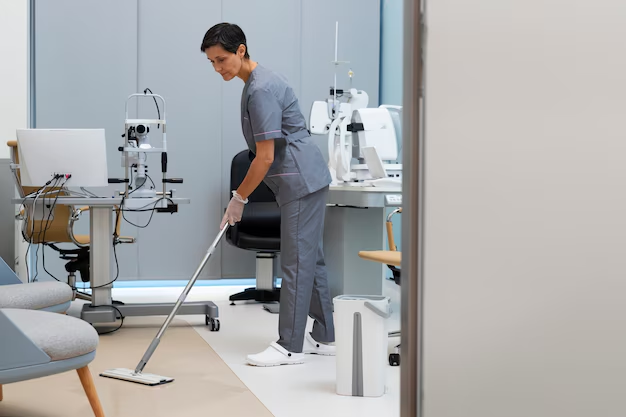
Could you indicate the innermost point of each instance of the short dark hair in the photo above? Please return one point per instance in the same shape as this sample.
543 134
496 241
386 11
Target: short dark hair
228 35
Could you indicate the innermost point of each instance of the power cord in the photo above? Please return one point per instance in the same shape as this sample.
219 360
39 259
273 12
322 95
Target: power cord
31 217
43 249
121 317
117 266
43 207
156 104
142 210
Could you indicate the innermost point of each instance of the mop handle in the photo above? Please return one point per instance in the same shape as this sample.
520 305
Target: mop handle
181 300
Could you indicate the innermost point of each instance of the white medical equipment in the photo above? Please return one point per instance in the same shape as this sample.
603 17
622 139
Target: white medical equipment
363 142
77 155
135 152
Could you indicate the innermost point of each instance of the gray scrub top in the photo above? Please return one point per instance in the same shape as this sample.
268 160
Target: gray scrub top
270 110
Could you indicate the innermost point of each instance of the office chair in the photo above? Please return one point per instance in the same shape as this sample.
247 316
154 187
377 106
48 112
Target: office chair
393 259
59 228
259 231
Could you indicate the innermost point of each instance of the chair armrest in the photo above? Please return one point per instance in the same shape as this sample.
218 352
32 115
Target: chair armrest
389 224
119 239
78 211
386 257
17 349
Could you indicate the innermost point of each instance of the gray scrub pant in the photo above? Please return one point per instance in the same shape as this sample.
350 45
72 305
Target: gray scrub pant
304 290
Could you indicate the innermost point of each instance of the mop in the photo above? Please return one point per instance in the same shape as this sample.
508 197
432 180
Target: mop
151 379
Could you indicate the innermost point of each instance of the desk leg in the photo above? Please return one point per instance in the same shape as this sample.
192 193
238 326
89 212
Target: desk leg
101 233
346 232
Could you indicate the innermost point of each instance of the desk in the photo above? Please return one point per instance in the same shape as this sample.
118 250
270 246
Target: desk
355 221
100 309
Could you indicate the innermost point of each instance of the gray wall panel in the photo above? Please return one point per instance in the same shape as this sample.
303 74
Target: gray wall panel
86 66
172 65
155 44
274 49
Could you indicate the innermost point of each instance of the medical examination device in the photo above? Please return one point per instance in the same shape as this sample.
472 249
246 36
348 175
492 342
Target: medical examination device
362 142
135 151
137 374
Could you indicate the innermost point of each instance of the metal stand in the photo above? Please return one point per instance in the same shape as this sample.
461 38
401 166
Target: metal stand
265 290
102 309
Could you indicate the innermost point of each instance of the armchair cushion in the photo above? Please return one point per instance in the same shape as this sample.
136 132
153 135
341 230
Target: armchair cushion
256 243
59 336
35 295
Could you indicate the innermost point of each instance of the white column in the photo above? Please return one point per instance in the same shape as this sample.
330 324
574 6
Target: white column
14 88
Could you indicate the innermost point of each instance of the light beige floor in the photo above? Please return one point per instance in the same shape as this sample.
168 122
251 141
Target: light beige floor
204 385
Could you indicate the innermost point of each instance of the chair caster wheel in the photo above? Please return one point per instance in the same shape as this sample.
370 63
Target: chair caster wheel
232 303
214 324
394 359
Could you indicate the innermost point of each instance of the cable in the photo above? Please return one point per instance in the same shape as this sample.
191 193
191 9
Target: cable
153 186
155 102
121 316
31 217
43 207
46 227
130 185
86 191
43 249
142 184
117 266
25 227
140 210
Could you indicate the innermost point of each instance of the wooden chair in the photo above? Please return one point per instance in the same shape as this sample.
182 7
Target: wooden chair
59 228
393 259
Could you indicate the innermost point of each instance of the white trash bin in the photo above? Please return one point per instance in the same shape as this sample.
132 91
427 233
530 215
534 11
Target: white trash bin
361 344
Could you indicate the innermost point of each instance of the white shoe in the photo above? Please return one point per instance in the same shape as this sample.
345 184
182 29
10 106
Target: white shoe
275 355
316 348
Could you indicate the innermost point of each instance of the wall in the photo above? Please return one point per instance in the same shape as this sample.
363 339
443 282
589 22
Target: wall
391 52
13 108
525 225
13 72
156 44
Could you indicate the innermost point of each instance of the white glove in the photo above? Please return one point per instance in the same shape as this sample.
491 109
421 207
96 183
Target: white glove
234 211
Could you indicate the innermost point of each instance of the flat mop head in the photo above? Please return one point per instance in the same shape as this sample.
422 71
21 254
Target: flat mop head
139 378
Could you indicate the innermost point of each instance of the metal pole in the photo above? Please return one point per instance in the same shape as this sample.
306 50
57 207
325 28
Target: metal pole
412 219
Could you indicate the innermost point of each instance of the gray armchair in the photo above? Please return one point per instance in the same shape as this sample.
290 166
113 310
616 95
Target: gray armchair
37 344
47 296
